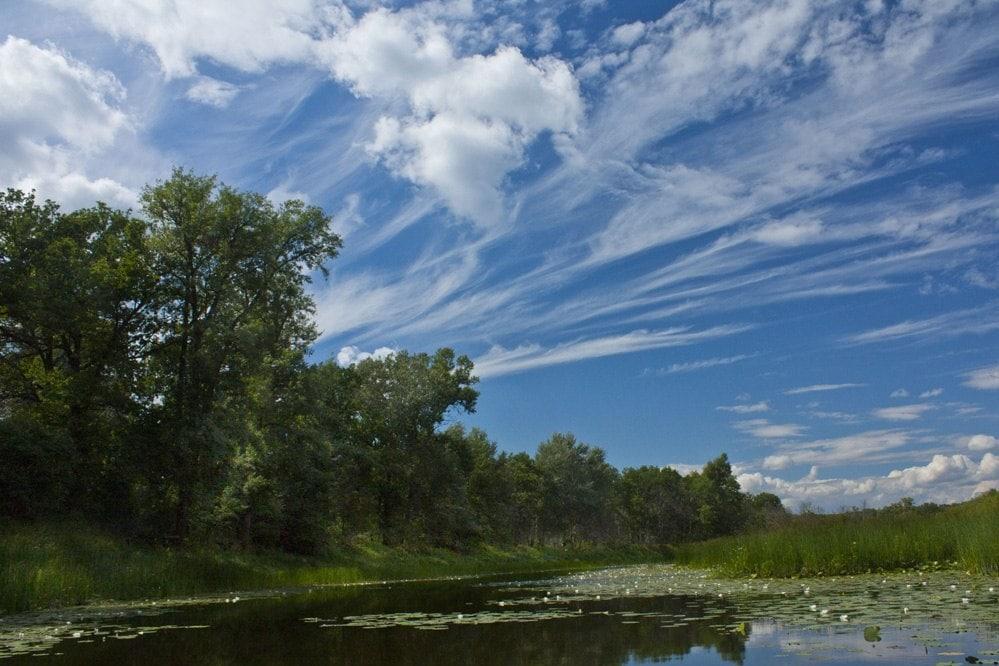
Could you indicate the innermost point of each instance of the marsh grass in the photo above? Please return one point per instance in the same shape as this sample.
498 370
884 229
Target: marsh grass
43 566
961 535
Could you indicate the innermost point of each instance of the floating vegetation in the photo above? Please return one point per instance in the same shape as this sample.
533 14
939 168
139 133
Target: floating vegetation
910 615
443 620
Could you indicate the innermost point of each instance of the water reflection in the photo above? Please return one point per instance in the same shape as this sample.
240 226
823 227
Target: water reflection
476 622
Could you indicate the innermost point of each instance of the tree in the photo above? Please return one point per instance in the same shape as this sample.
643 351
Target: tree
402 400
75 296
579 489
721 505
232 269
658 507
766 510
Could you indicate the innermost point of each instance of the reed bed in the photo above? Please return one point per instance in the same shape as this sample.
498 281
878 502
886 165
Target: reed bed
964 536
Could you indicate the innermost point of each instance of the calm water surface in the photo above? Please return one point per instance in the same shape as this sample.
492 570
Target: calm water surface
633 615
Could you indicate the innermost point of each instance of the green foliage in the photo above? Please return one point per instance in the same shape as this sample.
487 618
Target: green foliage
154 378
579 490
897 537
658 505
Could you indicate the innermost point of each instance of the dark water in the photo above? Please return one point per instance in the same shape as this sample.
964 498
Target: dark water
480 621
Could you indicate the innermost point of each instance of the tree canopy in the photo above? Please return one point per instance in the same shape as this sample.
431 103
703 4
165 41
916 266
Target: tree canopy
154 376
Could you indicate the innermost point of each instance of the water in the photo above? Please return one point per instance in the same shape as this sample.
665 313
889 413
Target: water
631 615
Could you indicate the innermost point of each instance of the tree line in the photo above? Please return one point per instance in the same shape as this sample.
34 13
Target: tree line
155 378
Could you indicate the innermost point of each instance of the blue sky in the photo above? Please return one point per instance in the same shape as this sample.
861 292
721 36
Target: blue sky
675 229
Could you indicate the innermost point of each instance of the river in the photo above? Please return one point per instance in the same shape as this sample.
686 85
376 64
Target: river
625 615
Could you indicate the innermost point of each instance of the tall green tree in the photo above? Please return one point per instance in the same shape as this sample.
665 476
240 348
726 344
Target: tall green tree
579 499
402 400
722 506
658 506
232 271
76 291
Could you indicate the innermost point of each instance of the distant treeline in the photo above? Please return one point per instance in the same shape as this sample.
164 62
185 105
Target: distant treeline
154 378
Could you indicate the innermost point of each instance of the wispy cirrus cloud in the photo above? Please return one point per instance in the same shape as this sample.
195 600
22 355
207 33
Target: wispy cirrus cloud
872 446
764 429
985 379
816 388
501 361
902 412
702 364
960 322
749 408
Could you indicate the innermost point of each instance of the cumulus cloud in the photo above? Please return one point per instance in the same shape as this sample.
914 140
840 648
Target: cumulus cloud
470 117
762 406
763 429
351 354
986 379
981 442
944 479
902 412
56 113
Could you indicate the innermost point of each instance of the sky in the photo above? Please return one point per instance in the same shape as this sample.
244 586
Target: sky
767 228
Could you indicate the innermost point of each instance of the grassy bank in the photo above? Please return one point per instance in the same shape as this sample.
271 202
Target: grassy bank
52 565
961 535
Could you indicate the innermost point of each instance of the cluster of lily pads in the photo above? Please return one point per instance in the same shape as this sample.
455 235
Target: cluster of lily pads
902 599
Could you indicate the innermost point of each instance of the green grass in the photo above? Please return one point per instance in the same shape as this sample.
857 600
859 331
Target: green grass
961 535
43 566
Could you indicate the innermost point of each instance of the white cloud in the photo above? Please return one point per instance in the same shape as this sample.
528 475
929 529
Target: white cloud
248 35
899 393
790 232
547 35
349 219
351 354
212 92
986 379
815 388
902 412
763 429
762 406
961 322
943 479
55 114
981 442
940 469
703 364
470 117
931 393
283 193
627 34
500 361
867 447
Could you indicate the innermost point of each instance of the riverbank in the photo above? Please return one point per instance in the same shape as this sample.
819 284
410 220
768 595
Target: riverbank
962 536
44 566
